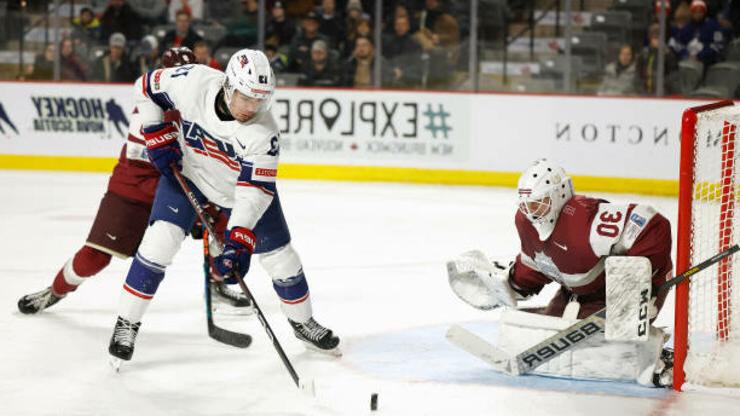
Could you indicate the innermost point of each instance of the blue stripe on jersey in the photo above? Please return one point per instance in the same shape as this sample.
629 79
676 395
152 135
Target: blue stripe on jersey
245 175
162 99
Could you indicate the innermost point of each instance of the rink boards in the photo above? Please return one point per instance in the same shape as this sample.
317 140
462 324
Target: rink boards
607 144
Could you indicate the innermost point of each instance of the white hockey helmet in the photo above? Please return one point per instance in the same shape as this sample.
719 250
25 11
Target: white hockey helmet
544 188
249 72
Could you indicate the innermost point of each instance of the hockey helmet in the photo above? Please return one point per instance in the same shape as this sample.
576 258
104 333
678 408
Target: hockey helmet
544 188
177 57
249 72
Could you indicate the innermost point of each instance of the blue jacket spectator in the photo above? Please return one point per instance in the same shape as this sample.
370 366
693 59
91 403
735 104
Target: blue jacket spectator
702 38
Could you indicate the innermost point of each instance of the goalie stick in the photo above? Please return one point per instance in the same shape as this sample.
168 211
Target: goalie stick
531 358
307 387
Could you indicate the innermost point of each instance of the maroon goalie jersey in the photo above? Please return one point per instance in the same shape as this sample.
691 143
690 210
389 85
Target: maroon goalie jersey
586 232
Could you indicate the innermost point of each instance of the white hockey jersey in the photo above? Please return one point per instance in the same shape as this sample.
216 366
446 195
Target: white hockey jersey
234 164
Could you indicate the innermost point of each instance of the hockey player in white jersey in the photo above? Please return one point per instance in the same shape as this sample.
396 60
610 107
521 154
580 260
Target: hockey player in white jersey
216 128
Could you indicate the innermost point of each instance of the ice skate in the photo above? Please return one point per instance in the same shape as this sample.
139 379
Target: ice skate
37 301
316 337
229 301
663 376
123 339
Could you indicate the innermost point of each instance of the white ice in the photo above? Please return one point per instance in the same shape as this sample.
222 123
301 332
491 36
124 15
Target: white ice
374 255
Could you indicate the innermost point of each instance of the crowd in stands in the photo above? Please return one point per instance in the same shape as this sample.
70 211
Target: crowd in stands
698 34
328 43
331 43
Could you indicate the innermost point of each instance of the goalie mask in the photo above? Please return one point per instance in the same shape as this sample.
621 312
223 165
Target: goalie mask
544 188
249 73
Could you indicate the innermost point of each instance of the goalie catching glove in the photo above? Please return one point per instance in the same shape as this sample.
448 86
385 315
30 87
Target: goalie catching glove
481 283
237 254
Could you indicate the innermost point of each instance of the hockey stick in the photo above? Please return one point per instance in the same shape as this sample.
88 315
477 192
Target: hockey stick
564 340
308 387
225 336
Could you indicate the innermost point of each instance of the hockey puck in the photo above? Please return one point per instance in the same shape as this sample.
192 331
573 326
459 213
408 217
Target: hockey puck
374 402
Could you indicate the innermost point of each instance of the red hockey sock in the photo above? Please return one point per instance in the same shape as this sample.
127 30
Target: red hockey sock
86 262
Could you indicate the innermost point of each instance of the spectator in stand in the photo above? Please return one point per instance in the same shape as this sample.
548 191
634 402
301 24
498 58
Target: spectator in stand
401 10
194 8
439 36
359 71
43 65
241 30
71 66
182 35
152 12
278 60
619 76
732 14
280 29
300 47
403 53
702 38
85 30
331 24
203 55
114 65
149 57
354 16
362 27
119 17
646 66
322 70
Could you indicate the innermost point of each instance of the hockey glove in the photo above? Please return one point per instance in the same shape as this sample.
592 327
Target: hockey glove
162 147
237 253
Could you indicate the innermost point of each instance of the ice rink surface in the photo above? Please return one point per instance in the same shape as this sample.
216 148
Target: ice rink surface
374 257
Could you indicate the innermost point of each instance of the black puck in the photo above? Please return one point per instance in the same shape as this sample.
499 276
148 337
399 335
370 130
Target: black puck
374 401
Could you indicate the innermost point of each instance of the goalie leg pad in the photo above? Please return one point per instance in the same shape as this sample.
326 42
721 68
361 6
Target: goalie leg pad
628 286
596 358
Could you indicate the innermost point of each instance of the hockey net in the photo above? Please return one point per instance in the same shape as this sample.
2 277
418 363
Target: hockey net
707 333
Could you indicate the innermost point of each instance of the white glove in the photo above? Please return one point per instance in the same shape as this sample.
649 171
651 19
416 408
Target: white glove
480 283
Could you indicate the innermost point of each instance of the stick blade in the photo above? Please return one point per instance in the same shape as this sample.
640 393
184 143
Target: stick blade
477 346
235 339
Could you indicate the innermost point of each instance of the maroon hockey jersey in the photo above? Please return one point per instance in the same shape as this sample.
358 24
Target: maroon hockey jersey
586 232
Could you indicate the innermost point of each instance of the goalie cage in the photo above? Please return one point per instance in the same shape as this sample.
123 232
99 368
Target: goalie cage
707 315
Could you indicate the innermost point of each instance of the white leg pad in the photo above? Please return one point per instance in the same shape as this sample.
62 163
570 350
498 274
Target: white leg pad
596 358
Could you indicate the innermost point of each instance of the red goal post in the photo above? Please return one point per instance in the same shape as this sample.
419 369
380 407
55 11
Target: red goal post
707 330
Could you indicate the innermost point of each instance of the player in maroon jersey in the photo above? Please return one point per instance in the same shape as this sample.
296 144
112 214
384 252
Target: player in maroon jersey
122 217
565 238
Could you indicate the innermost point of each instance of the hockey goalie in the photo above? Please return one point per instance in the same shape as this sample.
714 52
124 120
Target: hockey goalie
603 255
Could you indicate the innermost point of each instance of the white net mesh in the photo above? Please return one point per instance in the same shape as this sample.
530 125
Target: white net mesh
714 307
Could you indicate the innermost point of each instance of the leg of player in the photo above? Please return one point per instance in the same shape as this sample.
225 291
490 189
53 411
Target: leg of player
171 216
117 231
284 267
85 263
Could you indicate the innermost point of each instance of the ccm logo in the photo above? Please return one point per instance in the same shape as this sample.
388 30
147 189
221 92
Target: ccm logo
643 316
561 344
265 172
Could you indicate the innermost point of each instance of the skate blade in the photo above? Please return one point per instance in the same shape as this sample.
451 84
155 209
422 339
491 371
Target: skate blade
115 363
334 352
